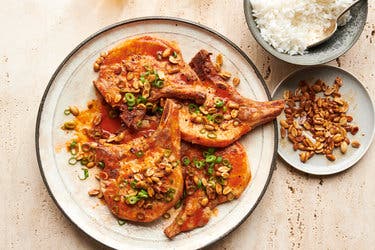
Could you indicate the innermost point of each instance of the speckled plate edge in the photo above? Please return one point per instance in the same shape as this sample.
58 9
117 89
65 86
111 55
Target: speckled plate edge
351 164
153 18
285 57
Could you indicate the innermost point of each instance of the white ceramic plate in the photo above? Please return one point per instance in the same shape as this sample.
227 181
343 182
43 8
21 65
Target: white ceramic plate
72 84
360 108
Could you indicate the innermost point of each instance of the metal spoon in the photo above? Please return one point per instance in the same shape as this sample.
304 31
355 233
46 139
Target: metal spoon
328 32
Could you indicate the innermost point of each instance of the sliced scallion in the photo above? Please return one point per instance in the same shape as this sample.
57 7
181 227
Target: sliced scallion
84 161
178 204
167 152
211 135
86 147
133 184
218 118
101 164
121 222
210 158
210 170
139 153
199 164
129 97
192 107
219 103
185 160
132 199
67 112
142 194
226 162
211 150
85 174
72 161
219 159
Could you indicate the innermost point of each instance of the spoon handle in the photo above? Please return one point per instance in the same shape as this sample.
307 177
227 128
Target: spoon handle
348 8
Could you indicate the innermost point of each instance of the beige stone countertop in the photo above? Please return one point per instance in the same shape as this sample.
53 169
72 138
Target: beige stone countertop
297 210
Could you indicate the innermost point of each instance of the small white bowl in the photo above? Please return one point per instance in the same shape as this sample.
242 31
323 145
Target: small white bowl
360 108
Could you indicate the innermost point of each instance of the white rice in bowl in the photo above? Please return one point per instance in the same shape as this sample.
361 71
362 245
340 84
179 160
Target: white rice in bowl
290 25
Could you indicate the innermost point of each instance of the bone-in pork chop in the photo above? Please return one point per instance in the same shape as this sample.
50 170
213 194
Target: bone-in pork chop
225 115
138 72
142 178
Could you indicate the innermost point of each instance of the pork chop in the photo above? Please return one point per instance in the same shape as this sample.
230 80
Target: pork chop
138 72
225 115
142 178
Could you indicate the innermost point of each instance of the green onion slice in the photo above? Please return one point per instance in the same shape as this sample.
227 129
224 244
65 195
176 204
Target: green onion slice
219 159
142 194
170 193
130 99
192 107
85 174
200 185
73 144
210 170
67 112
219 103
178 204
121 222
158 83
218 118
72 161
211 135
167 152
131 103
141 99
159 109
132 199
210 158
84 161
101 164
86 147
211 150
198 164
73 151
185 160
133 184
139 153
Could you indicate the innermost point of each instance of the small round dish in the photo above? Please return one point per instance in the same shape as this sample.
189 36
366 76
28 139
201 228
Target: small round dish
360 108
343 39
